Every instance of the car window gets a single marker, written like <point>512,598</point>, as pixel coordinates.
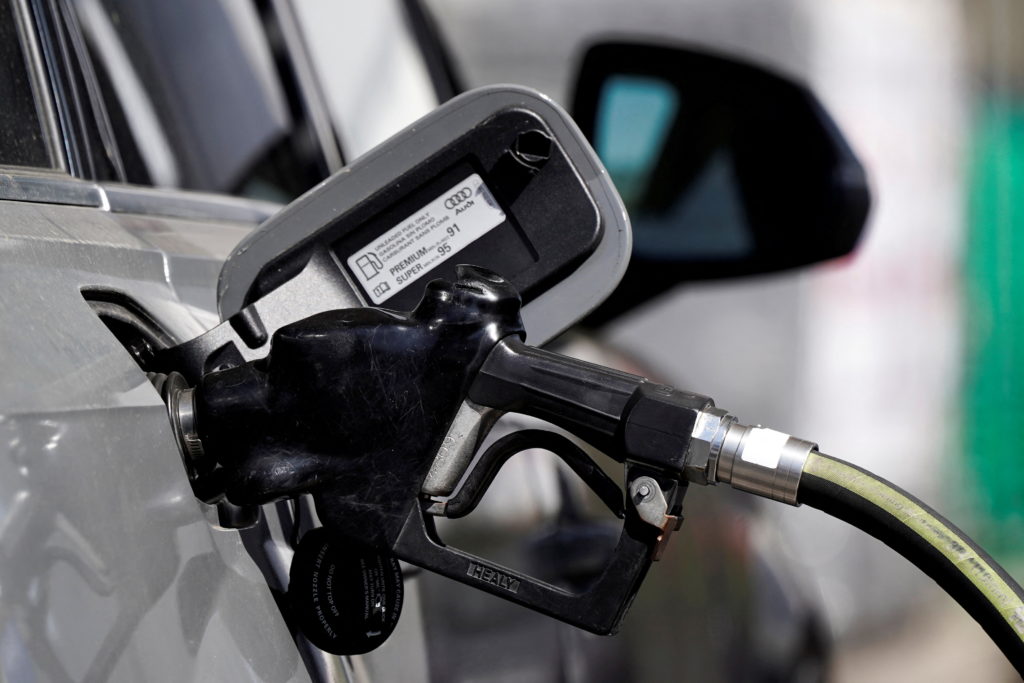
<point>257,98</point>
<point>198,98</point>
<point>23,139</point>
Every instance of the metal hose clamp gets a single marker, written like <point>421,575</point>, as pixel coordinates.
<point>181,409</point>
<point>763,461</point>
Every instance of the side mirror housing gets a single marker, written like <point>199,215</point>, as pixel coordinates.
<point>726,169</point>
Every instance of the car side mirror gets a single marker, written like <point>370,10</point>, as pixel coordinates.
<point>726,169</point>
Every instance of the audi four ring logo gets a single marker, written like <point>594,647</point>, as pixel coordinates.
<point>457,198</point>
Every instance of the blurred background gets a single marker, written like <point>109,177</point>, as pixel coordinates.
<point>905,357</point>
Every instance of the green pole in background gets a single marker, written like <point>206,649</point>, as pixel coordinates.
<point>994,376</point>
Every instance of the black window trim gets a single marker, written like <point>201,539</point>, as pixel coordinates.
<point>76,43</point>
<point>39,81</point>
<point>69,124</point>
<point>84,137</point>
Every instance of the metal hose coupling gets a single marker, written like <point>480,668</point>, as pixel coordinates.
<point>180,399</point>
<point>752,459</point>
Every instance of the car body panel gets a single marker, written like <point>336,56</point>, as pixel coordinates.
<point>109,566</point>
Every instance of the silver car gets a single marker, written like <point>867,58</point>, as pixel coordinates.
<point>139,143</point>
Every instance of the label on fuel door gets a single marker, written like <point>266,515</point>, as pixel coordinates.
<point>438,231</point>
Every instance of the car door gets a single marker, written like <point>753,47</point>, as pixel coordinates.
<point>110,568</point>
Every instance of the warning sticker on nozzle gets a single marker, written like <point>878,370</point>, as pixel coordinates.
<point>441,229</point>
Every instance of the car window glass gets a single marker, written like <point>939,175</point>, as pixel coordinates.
<point>703,219</point>
<point>196,97</point>
<point>22,136</point>
<point>636,114</point>
<point>706,221</point>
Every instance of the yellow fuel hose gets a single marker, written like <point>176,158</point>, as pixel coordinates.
<point>924,537</point>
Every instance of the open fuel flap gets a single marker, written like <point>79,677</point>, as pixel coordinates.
<point>499,177</point>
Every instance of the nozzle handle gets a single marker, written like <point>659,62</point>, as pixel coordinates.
<point>598,608</point>
<point>586,399</point>
<point>626,416</point>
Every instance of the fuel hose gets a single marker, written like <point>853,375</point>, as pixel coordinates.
<point>659,426</point>
<point>925,538</point>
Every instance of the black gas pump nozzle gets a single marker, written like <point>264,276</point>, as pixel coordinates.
<point>646,426</point>
<point>377,415</point>
<point>364,409</point>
